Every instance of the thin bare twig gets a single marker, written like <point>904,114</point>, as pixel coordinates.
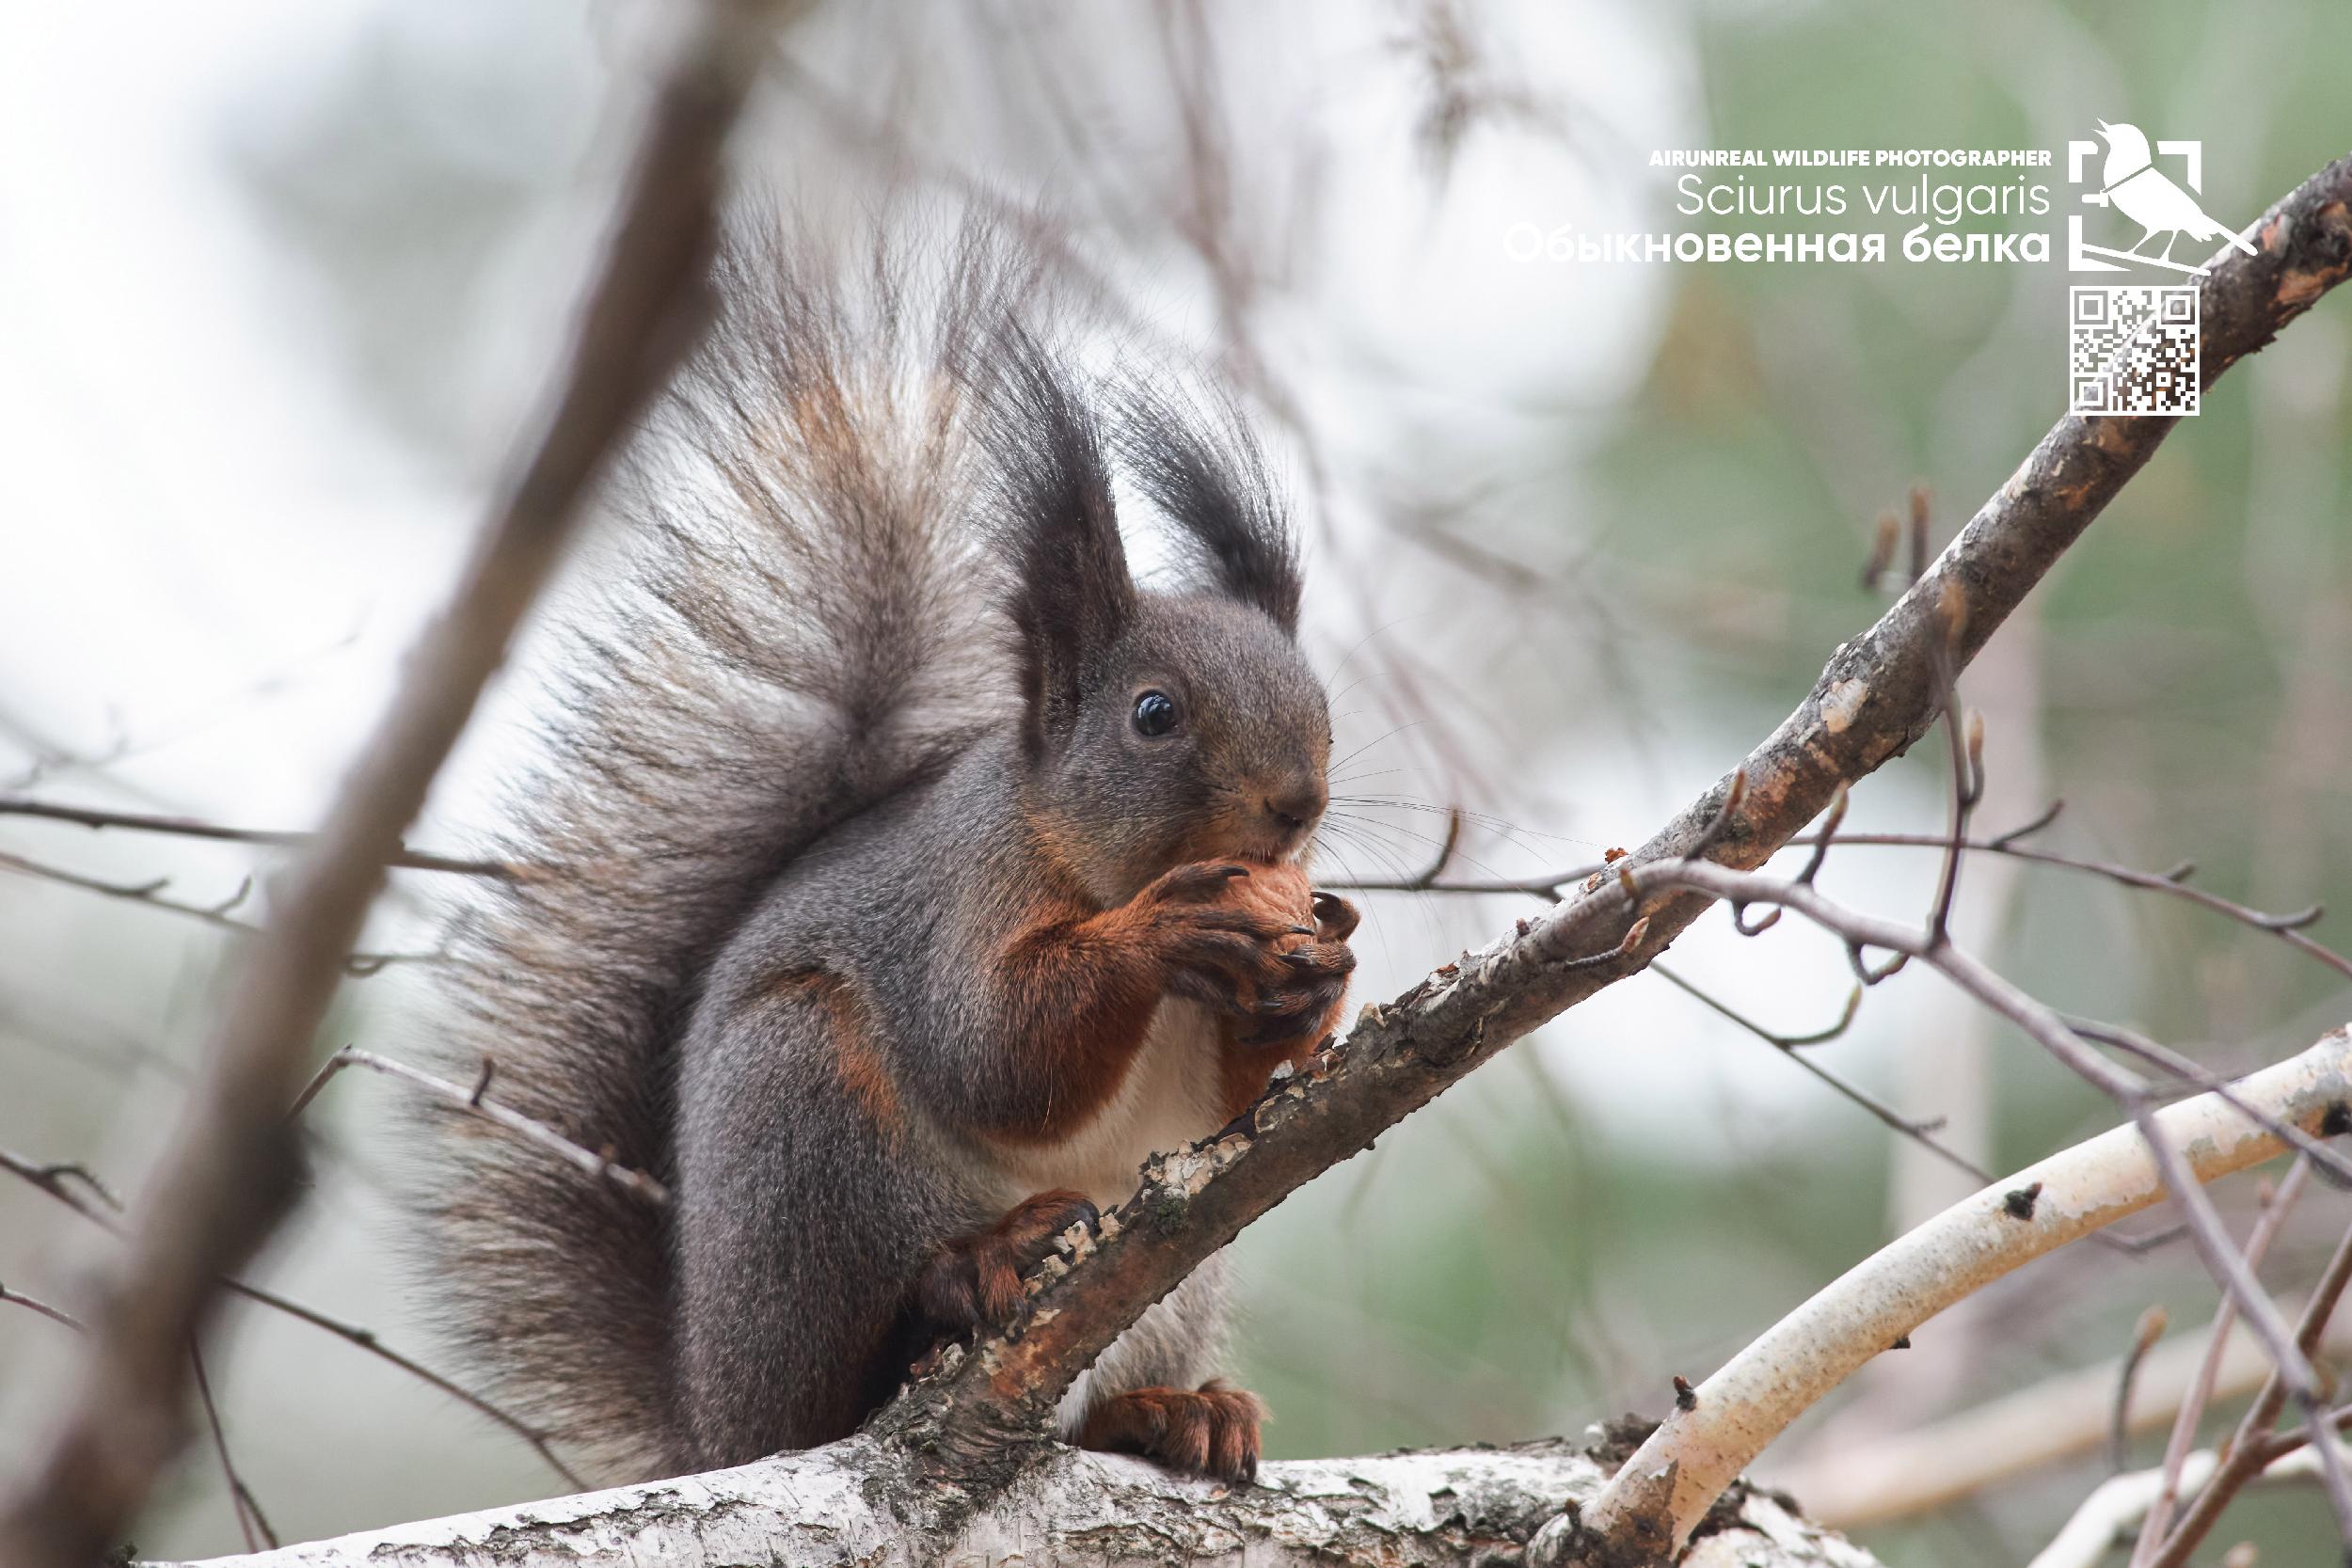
<point>2054,1034</point>
<point>1789,1045</point>
<point>1920,552</point>
<point>2184,1435</point>
<point>1885,534</point>
<point>475,1103</point>
<point>2145,1334</point>
<point>2245,1456</point>
<point>1891,532</point>
<point>56,1178</point>
<point>2289,928</point>
<point>1967,734</point>
<point>2039,1021</point>
<point>541,1440</point>
<point>1824,836</point>
<point>251,1521</point>
<point>1726,816</point>
<point>95,1203</point>
<point>1778,1041</point>
<point>1445,850</point>
<point>49,756</point>
<point>1919,1132</point>
<point>189,827</point>
<point>55,1315</point>
<point>2330,1163</point>
<point>358,965</point>
<point>2105,1517</point>
<point>2279,1443</point>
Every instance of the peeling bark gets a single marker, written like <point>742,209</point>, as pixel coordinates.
<point>856,1502</point>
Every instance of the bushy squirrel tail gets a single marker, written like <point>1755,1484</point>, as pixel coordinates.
<point>796,626</point>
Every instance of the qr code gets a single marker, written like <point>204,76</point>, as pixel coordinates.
<point>2132,350</point>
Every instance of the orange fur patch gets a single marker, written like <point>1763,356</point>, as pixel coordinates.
<point>857,1062</point>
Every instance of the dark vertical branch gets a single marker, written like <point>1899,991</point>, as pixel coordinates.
<point>231,1170</point>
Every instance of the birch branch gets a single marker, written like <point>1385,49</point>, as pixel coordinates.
<point>1664,1490</point>
<point>2109,1515</point>
<point>1903,1475</point>
<point>863,1502</point>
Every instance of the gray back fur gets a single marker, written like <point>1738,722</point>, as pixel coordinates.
<point>799,629</point>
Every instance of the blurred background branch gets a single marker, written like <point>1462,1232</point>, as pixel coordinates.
<point>232,1171</point>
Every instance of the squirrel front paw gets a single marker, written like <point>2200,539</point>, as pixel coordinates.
<point>1208,1431</point>
<point>1303,1012</point>
<point>973,1281</point>
<point>1241,942</point>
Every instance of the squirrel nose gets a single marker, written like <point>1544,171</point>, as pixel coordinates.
<point>1296,803</point>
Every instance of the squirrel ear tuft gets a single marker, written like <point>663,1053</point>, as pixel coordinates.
<point>1196,459</point>
<point>1070,596</point>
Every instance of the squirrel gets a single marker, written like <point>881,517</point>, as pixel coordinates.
<point>902,873</point>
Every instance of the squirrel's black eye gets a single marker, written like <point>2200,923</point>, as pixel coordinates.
<point>1156,714</point>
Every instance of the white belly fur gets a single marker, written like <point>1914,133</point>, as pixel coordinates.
<point>1169,1097</point>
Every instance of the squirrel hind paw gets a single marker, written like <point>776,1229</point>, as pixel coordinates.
<point>1209,1431</point>
<point>974,1282</point>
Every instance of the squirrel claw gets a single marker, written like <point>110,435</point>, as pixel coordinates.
<point>1335,918</point>
<point>975,1281</point>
